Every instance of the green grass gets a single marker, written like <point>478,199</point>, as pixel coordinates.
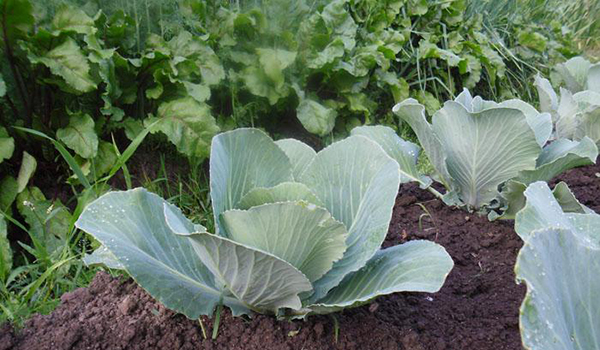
<point>39,279</point>
<point>187,188</point>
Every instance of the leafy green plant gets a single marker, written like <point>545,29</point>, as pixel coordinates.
<point>576,113</point>
<point>557,262</point>
<point>300,238</point>
<point>486,153</point>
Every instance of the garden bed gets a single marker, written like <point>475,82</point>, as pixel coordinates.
<point>477,308</point>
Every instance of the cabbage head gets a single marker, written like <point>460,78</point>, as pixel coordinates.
<point>296,232</point>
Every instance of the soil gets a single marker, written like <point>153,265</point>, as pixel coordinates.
<point>477,308</point>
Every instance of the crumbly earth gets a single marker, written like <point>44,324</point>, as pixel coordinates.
<point>477,308</point>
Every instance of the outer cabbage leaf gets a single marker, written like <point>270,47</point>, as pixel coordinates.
<point>299,153</point>
<point>284,192</point>
<point>413,113</point>
<point>260,280</point>
<point>567,200</point>
<point>589,118</point>
<point>494,145</point>
<point>593,78</point>
<point>416,266</point>
<point>561,310</point>
<point>558,157</point>
<point>103,256</point>
<point>238,162</point>
<point>132,226</point>
<point>361,197</point>
<point>568,115</point>
<point>544,209</point>
<point>540,123</point>
<point>301,234</point>
<point>404,152</point>
<point>574,73</point>
<point>547,96</point>
<point>541,210</point>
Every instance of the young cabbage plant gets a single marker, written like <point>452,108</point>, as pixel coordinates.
<point>297,232</point>
<point>576,113</point>
<point>486,153</point>
<point>579,74</point>
<point>559,262</point>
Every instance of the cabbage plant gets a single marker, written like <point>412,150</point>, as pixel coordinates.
<point>486,153</point>
<point>576,113</point>
<point>559,262</point>
<point>296,232</point>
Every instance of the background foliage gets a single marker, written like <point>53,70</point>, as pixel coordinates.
<point>82,83</point>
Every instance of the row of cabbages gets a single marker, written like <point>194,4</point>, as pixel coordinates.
<point>298,232</point>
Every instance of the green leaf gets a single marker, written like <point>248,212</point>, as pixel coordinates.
<point>593,78</point>
<point>5,251</point>
<point>540,211</point>
<point>259,85</point>
<point>17,19</point>
<point>532,40</point>
<point>339,22</point>
<point>237,165</point>
<point>103,256</point>
<point>256,278</point>
<point>413,113</point>
<point>547,95</point>
<point>319,59</point>
<point>558,157</point>
<point>416,266</point>
<point>284,192</point>
<point>273,62</point>
<point>68,62</point>
<point>574,73</point>
<point>299,153</point>
<point>404,152</point>
<point>7,145</point>
<point>80,135</point>
<point>9,188</point>
<point>71,19</point>
<point>561,310</point>
<point>299,233</point>
<point>267,79</point>
<point>198,92</point>
<point>28,166</point>
<point>48,221</point>
<point>187,124</point>
<point>315,117</point>
<point>357,182</point>
<point>568,115</point>
<point>132,226</point>
<point>588,116</point>
<point>540,123</point>
<point>472,159</point>
<point>132,127</point>
<point>567,200</point>
<point>2,86</point>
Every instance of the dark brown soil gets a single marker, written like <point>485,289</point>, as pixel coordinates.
<point>476,309</point>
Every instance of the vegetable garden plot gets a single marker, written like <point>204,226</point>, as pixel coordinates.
<point>477,307</point>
